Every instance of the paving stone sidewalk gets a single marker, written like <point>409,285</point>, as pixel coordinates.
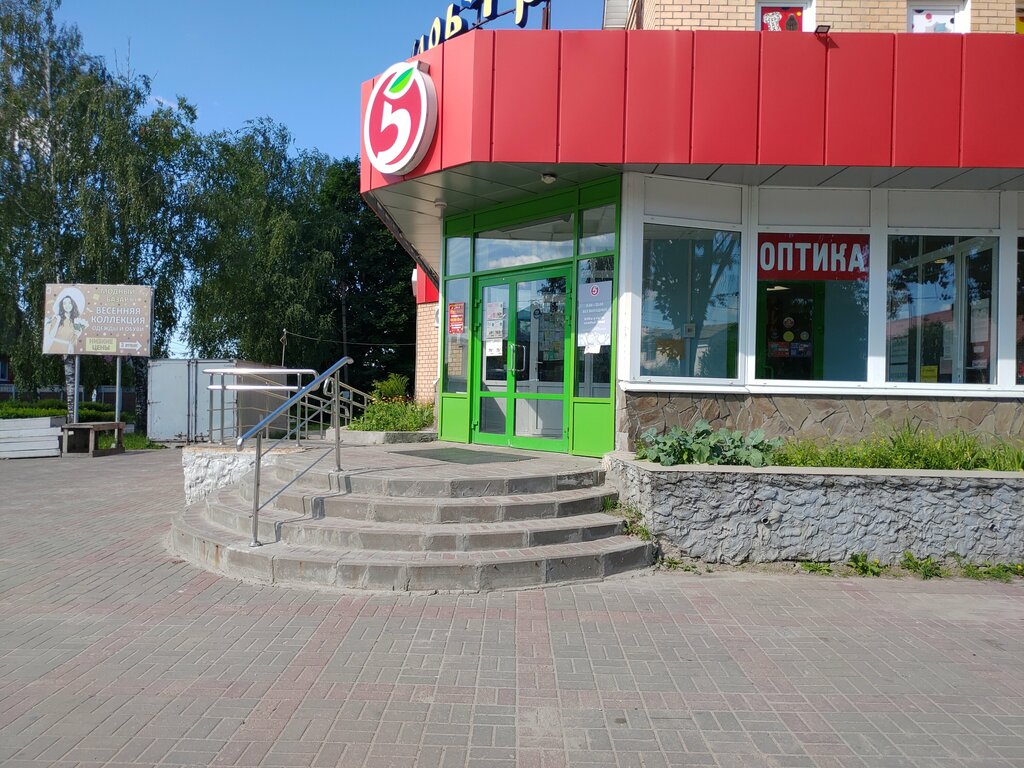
<point>114,653</point>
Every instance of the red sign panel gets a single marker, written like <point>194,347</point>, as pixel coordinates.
<point>456,318</point>
<point>812,257</point>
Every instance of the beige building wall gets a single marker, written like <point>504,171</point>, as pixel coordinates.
<point>426,352</point>
<point>841,15</point>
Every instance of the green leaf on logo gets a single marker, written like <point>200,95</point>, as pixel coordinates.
<point>401,81</point>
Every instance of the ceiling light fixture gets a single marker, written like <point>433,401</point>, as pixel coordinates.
<point>548,178</point>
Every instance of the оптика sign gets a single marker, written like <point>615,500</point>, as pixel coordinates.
<point>97,320</point>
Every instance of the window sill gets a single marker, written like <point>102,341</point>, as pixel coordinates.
<point>826,389</point>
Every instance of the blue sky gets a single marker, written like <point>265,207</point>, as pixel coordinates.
<point>300,63</point>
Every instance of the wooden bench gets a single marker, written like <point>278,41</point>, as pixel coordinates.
<point>80,439</point>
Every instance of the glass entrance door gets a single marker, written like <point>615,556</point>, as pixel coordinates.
<point>521,372</point>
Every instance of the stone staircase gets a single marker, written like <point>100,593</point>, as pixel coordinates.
<point>396,519</point>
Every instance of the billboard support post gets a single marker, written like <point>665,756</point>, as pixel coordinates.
<point>78,378</point>
<point>117,394</point>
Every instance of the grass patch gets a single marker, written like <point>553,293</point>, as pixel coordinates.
<point>398,415</point>
<point>862,565</point>
<point>133,441</point>
<point>908,447</point>
<point>928,568</point>
<point>810,566</point>
<point>634,523</point>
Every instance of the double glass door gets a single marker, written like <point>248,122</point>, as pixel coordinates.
<point>521,372</point>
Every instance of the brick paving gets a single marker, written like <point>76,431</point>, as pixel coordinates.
<point>113,653</point>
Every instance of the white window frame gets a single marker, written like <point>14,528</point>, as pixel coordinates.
<point>809,18</point>
<point>1004,361</point>
<point>960,11</point>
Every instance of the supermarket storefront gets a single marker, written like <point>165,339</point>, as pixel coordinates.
<point>634,229</point>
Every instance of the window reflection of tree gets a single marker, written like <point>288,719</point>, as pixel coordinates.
<point>685,274</point>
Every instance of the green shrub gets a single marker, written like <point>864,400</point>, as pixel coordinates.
<point>394,416</point>
<point>906,448</point>
<point>394,386</point>
<point>865,566</point>
<point>926,569</point>
<point>702,445</point>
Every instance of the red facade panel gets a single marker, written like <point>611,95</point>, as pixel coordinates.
<point>858,112</point>
<point>725,91</point>
<point>592,87</point>
<point>426,291</point>
<point>792,100</point>
<point>992,128</point>
<point>526,97</point>
<point>926,112</point>
<point>659,95</point>
<point>432,161</point>
<point>468,77</point>
<point>369,178</point>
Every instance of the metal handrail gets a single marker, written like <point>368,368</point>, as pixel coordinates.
<point>334,393</point>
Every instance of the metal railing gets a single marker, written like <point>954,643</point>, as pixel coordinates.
<point>309,406</point>
<point>248,386</point>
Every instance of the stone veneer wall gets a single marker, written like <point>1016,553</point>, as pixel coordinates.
<point>841,15</point>
<point>815,417</point>
<point>208,468</point>
<point>739,514</point>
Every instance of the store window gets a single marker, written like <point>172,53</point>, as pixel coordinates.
<point>1020,20</point>
<point>940,326</point>
<point>598,231</point>
<point>783,18</point>
<point>455,376</point>
<point>1020,311</point>
<point>456,259</point>
<point>690,304</point>
<point>812,307</point>
<point>938,18</point>
<point>549,239</point>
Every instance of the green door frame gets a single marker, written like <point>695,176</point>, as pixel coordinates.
<point>510,395</point>
<point>590,420</point>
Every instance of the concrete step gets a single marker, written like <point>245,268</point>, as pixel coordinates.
<point>344,533</point>
<point>215,548</point>
<point>462,482</point>
<point>485,509</point>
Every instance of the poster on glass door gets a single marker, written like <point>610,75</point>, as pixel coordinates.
<point>594,317</point>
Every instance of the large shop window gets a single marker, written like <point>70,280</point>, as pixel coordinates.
<point>691,300</point>
<point>812,307</point>
<point>1020,311</point>
<point>516,246</point>
<point>456,343</point>
<point>940,324</point>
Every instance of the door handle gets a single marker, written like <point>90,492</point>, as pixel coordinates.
<point>520,348</point>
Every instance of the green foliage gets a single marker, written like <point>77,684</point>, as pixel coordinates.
<point>908,447</point>
<point>813,567</point>
<point>394,386</point>
<point>675,564</point>
<point>865,566</point>
<point>21,409</point>
<point>703,445</point>
<point>133,441</point>
<point>394,416</point>
<point>928,568</point>
<point>634,523</point>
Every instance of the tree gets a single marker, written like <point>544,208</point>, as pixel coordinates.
<point>94,186</point>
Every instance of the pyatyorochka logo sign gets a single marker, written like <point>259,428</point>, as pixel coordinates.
<point>401,117</point>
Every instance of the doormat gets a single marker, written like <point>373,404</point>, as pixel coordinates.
<point>465,456</point>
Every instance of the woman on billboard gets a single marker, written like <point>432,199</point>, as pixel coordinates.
<point>66,324</point>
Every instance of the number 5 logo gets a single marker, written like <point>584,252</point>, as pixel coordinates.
<point>400,118</point>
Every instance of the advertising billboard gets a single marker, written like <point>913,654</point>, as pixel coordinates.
<point>97,320</point>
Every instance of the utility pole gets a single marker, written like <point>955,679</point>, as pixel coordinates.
<point>284,343</point>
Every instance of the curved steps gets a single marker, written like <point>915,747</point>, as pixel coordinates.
<point>391,521</point>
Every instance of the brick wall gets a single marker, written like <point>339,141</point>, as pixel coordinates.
<point>426,351</point>
<point>842,15</point>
